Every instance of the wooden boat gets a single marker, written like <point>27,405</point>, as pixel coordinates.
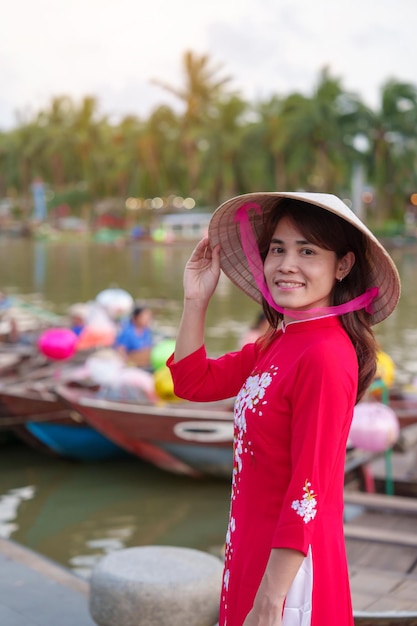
<point>17,360</point>
<point>183,437</point>
<point>73,440</point>
<point>192,438</point>
<point>37,417</point>
<point>402,463</point>
<point>25,317</point>
<point>381,538</point>
<point>405,409</point>
<point>386,618</point>
<point>381,542</point>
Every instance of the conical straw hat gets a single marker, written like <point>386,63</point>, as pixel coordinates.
<point>224,230</point>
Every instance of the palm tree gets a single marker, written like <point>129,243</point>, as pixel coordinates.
<point>55,126</point>
<point>309,138</point>
<point>24,152</point>
<point>392,146</point>
<point>223,159</point>
<point>202,90</point>
<point>163,166</point>
<point>91,143</point>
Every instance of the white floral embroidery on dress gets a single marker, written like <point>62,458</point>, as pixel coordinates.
<point>250,398</point>
<point>306,508</point>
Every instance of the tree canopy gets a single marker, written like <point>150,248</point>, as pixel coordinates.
<point>221,145</point>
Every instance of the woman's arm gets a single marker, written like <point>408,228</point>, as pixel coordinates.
<point>201,276</point>
<point>282,567</point>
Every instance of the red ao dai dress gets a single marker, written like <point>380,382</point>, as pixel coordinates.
<point>293,410</point>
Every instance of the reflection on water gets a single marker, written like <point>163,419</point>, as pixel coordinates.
<point>76,513</point>
<point>77,272</point>
<point>39,265</point>
<point>73,272</point>
<point>9,506</point>
<point>398,334</point>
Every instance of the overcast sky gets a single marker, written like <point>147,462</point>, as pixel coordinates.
<point>112,49</point>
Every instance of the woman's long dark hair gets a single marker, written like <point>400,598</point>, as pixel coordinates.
<point>331,232</point>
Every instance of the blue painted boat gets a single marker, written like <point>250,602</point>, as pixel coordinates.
<point>74,441</point>
<point>37,417</point>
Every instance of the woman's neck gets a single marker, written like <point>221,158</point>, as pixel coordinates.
<point>288,320</point>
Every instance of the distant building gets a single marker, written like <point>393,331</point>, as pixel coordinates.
<point>186,226</point>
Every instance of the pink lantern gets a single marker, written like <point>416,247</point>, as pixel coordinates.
<point>375,427</point>
<point>58,343</point>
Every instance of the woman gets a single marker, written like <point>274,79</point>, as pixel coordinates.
<point>324,278</point>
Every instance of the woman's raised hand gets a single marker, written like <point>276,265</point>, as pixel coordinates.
<point>202,272</point>
<point>201,276</point>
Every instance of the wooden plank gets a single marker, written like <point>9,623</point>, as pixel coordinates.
<point>374,582</point>
<point>407,439</point>
<point>357,458</point>
<point>387,520</point>
<point>383,598</point>
<point>408,589</point>
<point>380,535</point>
<point>379,501</point>
<point>391,558</point>
<point>404,467</point>
<point>392,618</point>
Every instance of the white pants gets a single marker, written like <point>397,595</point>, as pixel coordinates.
<point>298,604</point>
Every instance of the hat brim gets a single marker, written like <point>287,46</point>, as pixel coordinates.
<point>225,231</point>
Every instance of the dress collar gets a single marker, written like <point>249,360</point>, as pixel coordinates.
<point>300,324</point>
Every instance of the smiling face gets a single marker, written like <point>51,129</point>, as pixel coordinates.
<point>299,274</point>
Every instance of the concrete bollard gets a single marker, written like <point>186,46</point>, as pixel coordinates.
<point>156,586</point>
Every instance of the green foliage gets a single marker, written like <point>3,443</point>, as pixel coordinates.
<point>74,197</point>
<point>219,145</point>
<point>390,228</point>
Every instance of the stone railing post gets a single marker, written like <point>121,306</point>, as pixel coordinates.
<point>156,586</point>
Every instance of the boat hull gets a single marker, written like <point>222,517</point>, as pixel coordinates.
<point>42,421</point>
<point>186,438</point>
<point>402,618</point>
<point>195,439</point>
<point>74,441</point>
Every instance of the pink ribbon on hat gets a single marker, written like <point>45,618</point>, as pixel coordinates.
<point>251,250</point>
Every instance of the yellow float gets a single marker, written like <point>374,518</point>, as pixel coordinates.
<point>385,369</point>
<point>164,387</point>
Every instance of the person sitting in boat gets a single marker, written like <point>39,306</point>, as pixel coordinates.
<point>135,339</point>
<point>78,314</point>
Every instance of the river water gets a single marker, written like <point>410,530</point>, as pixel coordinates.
<point>75,513</point>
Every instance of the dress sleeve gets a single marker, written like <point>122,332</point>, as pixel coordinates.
<point>201,379</point>
<point>323,399</point>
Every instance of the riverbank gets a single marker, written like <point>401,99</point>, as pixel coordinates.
<point>37,592</point>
